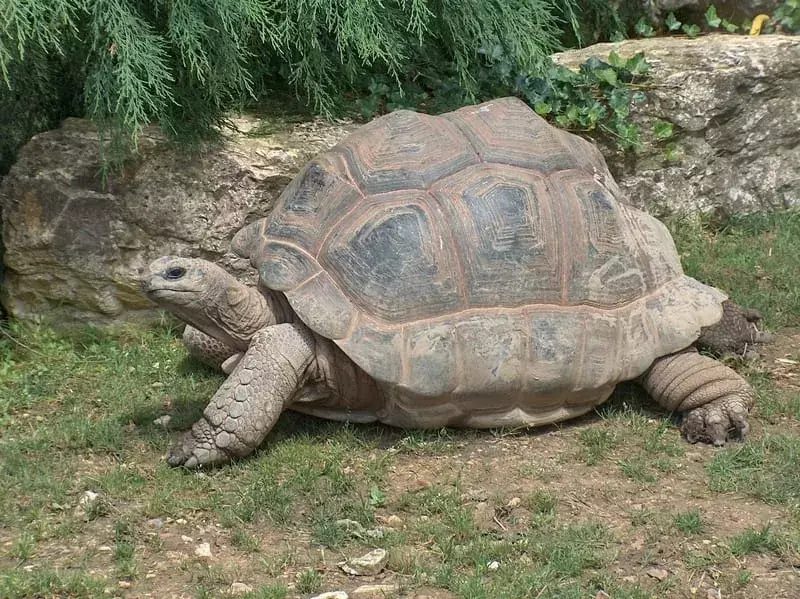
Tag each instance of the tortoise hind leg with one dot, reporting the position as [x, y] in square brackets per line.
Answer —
[249, 402]
[714, 399]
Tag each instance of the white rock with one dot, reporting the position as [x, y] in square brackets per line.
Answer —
[366, 565]
[375, 591]
[88, 498]
[493, 566]
[203, 550]
[332, 595]
[240, 588]
[163, 420]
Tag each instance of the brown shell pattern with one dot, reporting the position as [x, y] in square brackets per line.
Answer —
[482, 251]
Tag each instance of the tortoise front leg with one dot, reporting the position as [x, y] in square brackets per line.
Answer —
[249, 402]
[715, 400]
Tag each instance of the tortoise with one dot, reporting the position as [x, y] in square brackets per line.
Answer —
[479, 268]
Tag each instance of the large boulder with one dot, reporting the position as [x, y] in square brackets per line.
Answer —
[734, 103]
[74, 248]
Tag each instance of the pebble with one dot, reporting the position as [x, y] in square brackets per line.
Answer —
[125, 584]
[88, 498]
[240, 588]
[331, 595]
[394, 521]
[155, 523]
[658, 573]
[366, 565]
[162, 420]
[186, 539]
[203, 550]
[602, 595]
[376, 591]
[493, 566]
[514, 502]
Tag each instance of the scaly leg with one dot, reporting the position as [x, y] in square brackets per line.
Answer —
[715, 399]
[249, 402]
[206, 348]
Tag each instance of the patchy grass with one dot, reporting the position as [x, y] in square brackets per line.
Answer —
[564, 511]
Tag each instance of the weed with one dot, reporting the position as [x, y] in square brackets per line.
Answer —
[690, 522]
[309, 581]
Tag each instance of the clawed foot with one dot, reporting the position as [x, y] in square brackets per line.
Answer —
[198, 447]
[717, 421]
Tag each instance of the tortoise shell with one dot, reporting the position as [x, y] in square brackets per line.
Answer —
[478, 253]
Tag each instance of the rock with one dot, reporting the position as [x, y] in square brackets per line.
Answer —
[493, 566]
[332, 595]
[125, 584]
[163, 420]
[658, 573]
[155, 523]
[351, 527]
[514, 502]
[87, 499]
[394, 521]
[203, 550]
[366, 565]
[375, 591]
[187, 539]
[602, 595]
[734, 103]
[74, 249]
[239, 588]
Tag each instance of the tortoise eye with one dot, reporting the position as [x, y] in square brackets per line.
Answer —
[175, 273]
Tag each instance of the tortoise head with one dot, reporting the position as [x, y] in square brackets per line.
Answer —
[206, 296]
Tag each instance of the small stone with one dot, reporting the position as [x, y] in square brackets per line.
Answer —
[351, 527]
[514, 502]
[150, 575]
[155, 523]
[240, 588]
[376, 591]
[374, 533]
[658, 573]
[366, 565]
[394, 521]
[180, 521]
[713, 594]
[331, 595]
[203, 550]
[186, 539]
[602, 595]
[104, 548]
[125, 584]
[493, 566]
[88, 498]
[162, 420]
[157, 385]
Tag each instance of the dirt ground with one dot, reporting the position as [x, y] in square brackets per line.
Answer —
[493, 473]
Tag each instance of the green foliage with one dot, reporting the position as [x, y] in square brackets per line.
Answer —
[184, 63]
[787, 17]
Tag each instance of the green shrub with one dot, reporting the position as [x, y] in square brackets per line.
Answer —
[183, 63]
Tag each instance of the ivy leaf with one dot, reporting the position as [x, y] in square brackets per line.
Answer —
[636, 64]
[671, 22]
[729, 27]
[542, 108]
[662, 130]
[615, 61]
[639, 97]
[712, 18]
[619, 101]
[607, 75]
[643, 28]
[691, 30]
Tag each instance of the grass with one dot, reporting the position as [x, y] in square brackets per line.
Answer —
[562, 512]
